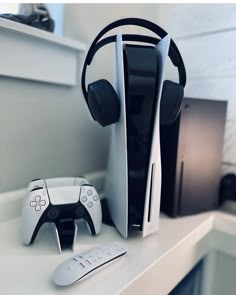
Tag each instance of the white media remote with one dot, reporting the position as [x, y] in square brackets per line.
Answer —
[86, 263]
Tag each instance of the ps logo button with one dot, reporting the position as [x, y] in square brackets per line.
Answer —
[95, 198]
[89, 192]
[53, 213]
[90, 204]
[79, 211]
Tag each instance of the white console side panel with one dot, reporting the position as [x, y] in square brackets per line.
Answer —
[153, 187]
[116, 188]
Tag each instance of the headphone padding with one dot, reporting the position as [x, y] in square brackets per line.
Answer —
[171, 102]
[103, 102]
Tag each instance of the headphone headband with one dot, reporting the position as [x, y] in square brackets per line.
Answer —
[173, 52]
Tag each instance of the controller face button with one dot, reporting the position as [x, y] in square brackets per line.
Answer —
[89, 192]
[53, 213]
[79, 211]
[90, 204]
[95, 198]
[84, 199]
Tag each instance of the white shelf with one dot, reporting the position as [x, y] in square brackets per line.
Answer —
[33, 54]
[153, 265]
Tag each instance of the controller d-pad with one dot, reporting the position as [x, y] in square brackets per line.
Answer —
[37, 203]
[53, 213]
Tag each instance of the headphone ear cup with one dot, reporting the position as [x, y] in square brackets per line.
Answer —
[103, 102]
[171, 102]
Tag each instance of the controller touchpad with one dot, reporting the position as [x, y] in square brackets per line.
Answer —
[64, 195]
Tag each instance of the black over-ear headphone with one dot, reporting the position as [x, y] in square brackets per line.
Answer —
[101, 97]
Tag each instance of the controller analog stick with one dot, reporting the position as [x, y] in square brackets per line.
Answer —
[53, 213]
[79, 211]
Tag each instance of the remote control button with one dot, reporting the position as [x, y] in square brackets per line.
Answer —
[90, 204]
[53, 213]
[83, 189]
[84, 199]
[89, 192]
[79, 211]
[95, 198]
[82, 265]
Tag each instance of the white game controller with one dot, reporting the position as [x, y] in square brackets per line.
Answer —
[61, 205]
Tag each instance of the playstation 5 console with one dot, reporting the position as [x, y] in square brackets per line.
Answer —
[135, 105]
[133, 184]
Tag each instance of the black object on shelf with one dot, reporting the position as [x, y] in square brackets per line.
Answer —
[36, 20]
[191, 154]
[228, 188]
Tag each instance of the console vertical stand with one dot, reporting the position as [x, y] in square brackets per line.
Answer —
[67, 237]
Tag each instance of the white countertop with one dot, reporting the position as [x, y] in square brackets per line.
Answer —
[153, 265]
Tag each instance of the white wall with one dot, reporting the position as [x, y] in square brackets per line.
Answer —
[45, 129]
[206, 37]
